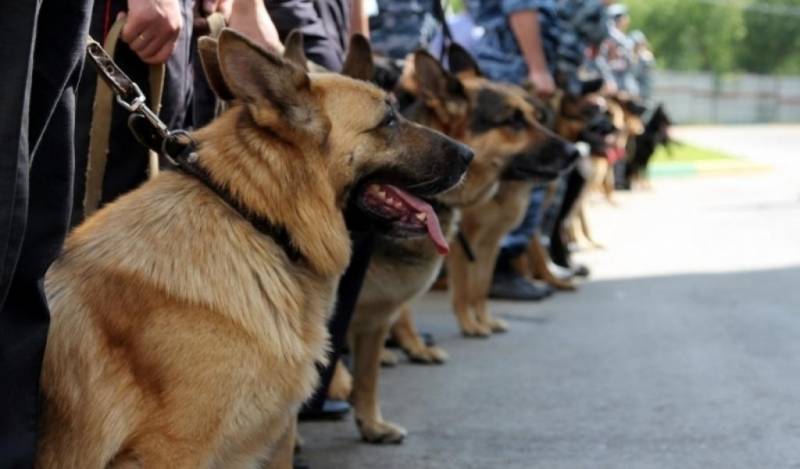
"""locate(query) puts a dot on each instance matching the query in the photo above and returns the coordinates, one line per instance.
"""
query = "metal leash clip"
(128, 93)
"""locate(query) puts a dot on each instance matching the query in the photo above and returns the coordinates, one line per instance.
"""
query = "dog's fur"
(626, 113)
(575, 119)
(181, 336)
(485, 224)
(656, 132)
(499, 122)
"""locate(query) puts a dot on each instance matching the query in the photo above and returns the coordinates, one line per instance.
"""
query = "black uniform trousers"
(126, 166)
(41, 51)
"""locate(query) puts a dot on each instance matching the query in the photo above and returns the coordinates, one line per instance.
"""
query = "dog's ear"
(278, 92)
(358, 64)
(294, 49)
(441, 92)
(207, 49)
(433, 81)
(461, 62)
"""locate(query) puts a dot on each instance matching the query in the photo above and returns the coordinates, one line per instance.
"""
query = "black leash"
(447, 35)
(177, 147)
(462, 239)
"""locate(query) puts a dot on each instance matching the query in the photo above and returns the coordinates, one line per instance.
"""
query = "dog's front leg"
(405, 333)
(486, 254)
(283, 453)
(367, 346)
(460, 275)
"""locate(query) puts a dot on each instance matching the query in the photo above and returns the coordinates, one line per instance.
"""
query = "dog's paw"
(498, 325)
(389, 358)
(476, 330)
(428, 356)
(382, 432)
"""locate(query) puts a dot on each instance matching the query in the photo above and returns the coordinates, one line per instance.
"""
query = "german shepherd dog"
(499, 122)
(184, 336)
(626, 113)
(580, 117)
(506, 114)
(656, 132)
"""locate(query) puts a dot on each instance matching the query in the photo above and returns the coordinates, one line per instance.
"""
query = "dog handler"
(519, 44)
(42, 50)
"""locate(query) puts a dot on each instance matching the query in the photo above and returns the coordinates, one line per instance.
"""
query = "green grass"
(689, 160)
(683, 153)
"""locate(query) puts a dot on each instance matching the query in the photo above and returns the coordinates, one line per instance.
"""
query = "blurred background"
(722, 61)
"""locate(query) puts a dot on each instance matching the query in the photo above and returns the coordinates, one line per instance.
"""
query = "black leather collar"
(180, 151)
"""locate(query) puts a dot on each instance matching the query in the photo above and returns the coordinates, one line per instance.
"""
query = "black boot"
(507, 284)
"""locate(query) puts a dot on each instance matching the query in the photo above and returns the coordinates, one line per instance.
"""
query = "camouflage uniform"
(567, 27)
(497, 50)
(582, 23)
(400, 27)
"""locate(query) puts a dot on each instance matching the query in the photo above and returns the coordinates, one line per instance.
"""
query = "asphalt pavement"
(682, 350)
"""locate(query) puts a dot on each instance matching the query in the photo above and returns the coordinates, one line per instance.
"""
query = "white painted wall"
(693, 98)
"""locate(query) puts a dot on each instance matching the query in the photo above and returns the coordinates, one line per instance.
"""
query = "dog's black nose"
(465, 153)
(571, 151)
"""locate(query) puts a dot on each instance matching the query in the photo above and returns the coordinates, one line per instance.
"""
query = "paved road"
(682, 352)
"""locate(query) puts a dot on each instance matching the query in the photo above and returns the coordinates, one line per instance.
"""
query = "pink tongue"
(434, 230)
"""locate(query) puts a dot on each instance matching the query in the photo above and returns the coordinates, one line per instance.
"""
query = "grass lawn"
(688, 160)
(683, 153)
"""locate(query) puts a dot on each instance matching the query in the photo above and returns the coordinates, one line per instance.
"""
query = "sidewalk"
(680, 352)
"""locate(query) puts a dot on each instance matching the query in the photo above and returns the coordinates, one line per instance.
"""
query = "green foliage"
(456, 6)
(721, 35)
(772, 42)
(690, 35)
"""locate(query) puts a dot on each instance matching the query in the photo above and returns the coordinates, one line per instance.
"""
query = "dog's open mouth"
(407, 213)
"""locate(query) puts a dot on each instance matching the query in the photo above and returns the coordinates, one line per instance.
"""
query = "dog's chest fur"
(402, 269)
(179, 299)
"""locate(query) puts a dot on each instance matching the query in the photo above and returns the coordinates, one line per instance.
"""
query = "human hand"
(251, 19)
(542, 81)
(221, 6)
(152, 29)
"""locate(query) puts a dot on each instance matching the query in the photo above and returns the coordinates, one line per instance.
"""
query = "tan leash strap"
(216, 23)
(100, 131)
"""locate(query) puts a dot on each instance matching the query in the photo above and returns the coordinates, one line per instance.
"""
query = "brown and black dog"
(583, 118)
(185, 336)
(500, 123)
(485, 224)
(626, 114)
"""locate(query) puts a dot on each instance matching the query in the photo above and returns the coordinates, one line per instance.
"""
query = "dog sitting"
(656, 132)
(626, 114)
(401, 270)
(188, 317)
(580, 118)
(501, 118)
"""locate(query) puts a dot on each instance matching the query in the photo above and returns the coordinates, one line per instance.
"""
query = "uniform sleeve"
(513, 6)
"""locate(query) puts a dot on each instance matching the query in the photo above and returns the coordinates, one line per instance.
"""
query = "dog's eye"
(542, 116)
(517, 120)
(590, 111)
(390, 119)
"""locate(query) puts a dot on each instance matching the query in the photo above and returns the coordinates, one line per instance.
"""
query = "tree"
(772, 40)
(690, 35)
